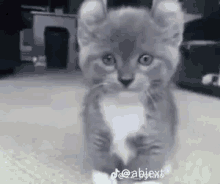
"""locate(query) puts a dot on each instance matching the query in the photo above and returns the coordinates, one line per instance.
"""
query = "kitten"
(128, 56)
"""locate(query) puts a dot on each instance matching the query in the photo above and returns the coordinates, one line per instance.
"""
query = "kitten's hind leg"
(102, 178)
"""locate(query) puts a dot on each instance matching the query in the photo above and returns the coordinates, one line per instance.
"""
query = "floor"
(41, 140)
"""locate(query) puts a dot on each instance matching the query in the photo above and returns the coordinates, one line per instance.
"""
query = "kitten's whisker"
(98, 85)
(93, 91)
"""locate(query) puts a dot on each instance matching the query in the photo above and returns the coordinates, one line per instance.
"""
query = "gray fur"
(127, 33)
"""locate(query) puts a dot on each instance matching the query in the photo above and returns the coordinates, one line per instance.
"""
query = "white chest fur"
(125, 115)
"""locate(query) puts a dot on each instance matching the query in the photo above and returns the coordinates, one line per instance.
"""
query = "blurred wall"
(74, 5)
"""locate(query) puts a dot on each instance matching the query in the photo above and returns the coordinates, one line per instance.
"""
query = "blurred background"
(41, 138)
(40, 35)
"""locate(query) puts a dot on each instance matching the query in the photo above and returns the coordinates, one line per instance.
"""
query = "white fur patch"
(100, 178)
(124, 114)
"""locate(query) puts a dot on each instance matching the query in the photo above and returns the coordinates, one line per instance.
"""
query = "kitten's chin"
(123, 97)
(124, 91)
(116, 88)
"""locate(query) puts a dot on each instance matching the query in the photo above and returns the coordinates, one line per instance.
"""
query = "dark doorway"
(56, 47)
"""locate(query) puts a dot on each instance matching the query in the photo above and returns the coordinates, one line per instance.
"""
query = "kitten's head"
(128, 48)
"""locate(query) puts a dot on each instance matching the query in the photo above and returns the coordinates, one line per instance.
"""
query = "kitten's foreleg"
(102, 178)
(167, 170)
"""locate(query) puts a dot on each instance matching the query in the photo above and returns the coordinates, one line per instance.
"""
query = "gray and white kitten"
(128, 56)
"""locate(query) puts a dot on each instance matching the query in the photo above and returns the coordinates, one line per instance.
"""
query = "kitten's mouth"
(126, 82)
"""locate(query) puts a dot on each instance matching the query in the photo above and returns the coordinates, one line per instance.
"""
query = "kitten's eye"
(108, 59)
(145, 60)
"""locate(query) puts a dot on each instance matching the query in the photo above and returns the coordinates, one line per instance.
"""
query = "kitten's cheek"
(141, 81)
(101, 70)
(113, 78)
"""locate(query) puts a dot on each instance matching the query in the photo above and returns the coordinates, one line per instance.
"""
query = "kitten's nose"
(126, 82)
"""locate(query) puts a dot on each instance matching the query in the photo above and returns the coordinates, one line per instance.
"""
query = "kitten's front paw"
(149, 182)
(102, 178)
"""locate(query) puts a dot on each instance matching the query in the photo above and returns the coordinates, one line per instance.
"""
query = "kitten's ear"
(168, 15)
(90, 15)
